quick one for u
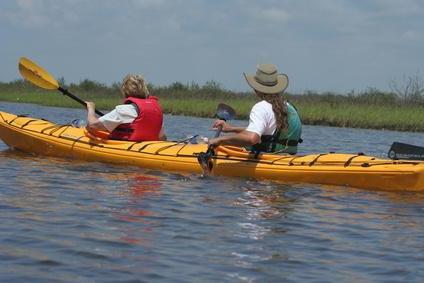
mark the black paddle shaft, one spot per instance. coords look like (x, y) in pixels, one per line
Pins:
(77, 99)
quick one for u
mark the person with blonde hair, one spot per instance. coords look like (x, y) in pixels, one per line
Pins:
(274, 124)
(139, 118)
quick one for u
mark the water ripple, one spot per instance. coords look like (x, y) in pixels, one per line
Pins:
(72, 221)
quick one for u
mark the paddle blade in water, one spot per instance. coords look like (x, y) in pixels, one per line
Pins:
(223, 112)
(37, 75)
(204, 159)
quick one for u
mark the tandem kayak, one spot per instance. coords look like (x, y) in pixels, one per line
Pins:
(40, 136)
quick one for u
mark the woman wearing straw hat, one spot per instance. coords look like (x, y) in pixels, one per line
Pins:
(274, 124)
(139, 118)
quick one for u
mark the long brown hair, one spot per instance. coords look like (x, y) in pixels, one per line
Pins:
(278, 106)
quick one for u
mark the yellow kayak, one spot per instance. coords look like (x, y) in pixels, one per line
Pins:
(43, 137)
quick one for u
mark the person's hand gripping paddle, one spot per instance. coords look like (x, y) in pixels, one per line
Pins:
(223, 112)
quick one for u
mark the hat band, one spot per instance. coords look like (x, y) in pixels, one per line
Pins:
(274, 83)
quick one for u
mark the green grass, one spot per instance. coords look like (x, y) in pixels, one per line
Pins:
(54, 98)
(313, 110)
(204, 108)
(389, 117)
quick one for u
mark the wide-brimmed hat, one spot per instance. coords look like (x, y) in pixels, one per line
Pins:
(267, 80)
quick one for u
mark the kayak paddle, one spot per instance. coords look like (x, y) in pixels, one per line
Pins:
(400, 150)
(223, 112)
(41, 78)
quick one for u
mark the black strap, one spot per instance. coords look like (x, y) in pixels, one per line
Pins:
(124, 130)
(274, 140)
(269, 143)
(290, 142)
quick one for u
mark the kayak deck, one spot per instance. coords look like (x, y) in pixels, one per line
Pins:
(43, 137)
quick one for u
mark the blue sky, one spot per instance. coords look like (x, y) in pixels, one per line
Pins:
(323, 45)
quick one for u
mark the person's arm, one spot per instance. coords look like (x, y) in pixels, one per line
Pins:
(242, 138)
(93, 123)
(226, 127)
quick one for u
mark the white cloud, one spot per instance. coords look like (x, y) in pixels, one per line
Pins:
(41, 14)
(274, 15)
(26, 14)
(412, 35)
(25, 4)
(201, 39)
(149, 3)
(403, 8)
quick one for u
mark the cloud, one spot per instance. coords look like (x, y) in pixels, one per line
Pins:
(146, 4)
(321, 44)
(278, 16)
(404, 8)
(25, 4)
(412, 35)
(25, 14)
(41, 14)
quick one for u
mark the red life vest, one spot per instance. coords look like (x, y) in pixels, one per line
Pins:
(147, 125)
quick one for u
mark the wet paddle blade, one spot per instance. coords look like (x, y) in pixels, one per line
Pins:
(406, 151)
(205, 161)
(37, 75)
(225, 112)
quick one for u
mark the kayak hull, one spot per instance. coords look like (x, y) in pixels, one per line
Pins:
(46, 138)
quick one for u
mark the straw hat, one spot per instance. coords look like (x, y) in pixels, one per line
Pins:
(267, 80)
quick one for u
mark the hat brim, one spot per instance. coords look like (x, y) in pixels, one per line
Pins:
(282, 84)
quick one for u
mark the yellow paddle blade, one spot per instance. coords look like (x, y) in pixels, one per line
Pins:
(37, 75)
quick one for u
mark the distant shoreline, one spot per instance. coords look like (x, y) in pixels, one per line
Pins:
(352, 116)
(372, 109)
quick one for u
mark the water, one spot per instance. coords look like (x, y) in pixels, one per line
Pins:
(74, 221)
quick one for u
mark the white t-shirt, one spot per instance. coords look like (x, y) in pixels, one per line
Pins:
(122, 114)
(262, 119)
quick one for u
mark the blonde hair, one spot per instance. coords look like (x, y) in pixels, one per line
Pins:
(135, 86)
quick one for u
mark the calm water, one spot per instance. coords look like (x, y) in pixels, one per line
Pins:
(73, 221)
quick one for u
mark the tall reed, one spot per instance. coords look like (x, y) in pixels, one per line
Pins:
(368, 109)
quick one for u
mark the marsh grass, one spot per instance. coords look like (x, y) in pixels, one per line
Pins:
(369, 109)
(55, 98)
(399, 117)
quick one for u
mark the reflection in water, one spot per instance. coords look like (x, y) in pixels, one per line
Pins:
(137, 190)
(265, 199)
(266, 205)
(73, 221)
(141, 185)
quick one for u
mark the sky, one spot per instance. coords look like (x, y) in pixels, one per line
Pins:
(322, 45)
